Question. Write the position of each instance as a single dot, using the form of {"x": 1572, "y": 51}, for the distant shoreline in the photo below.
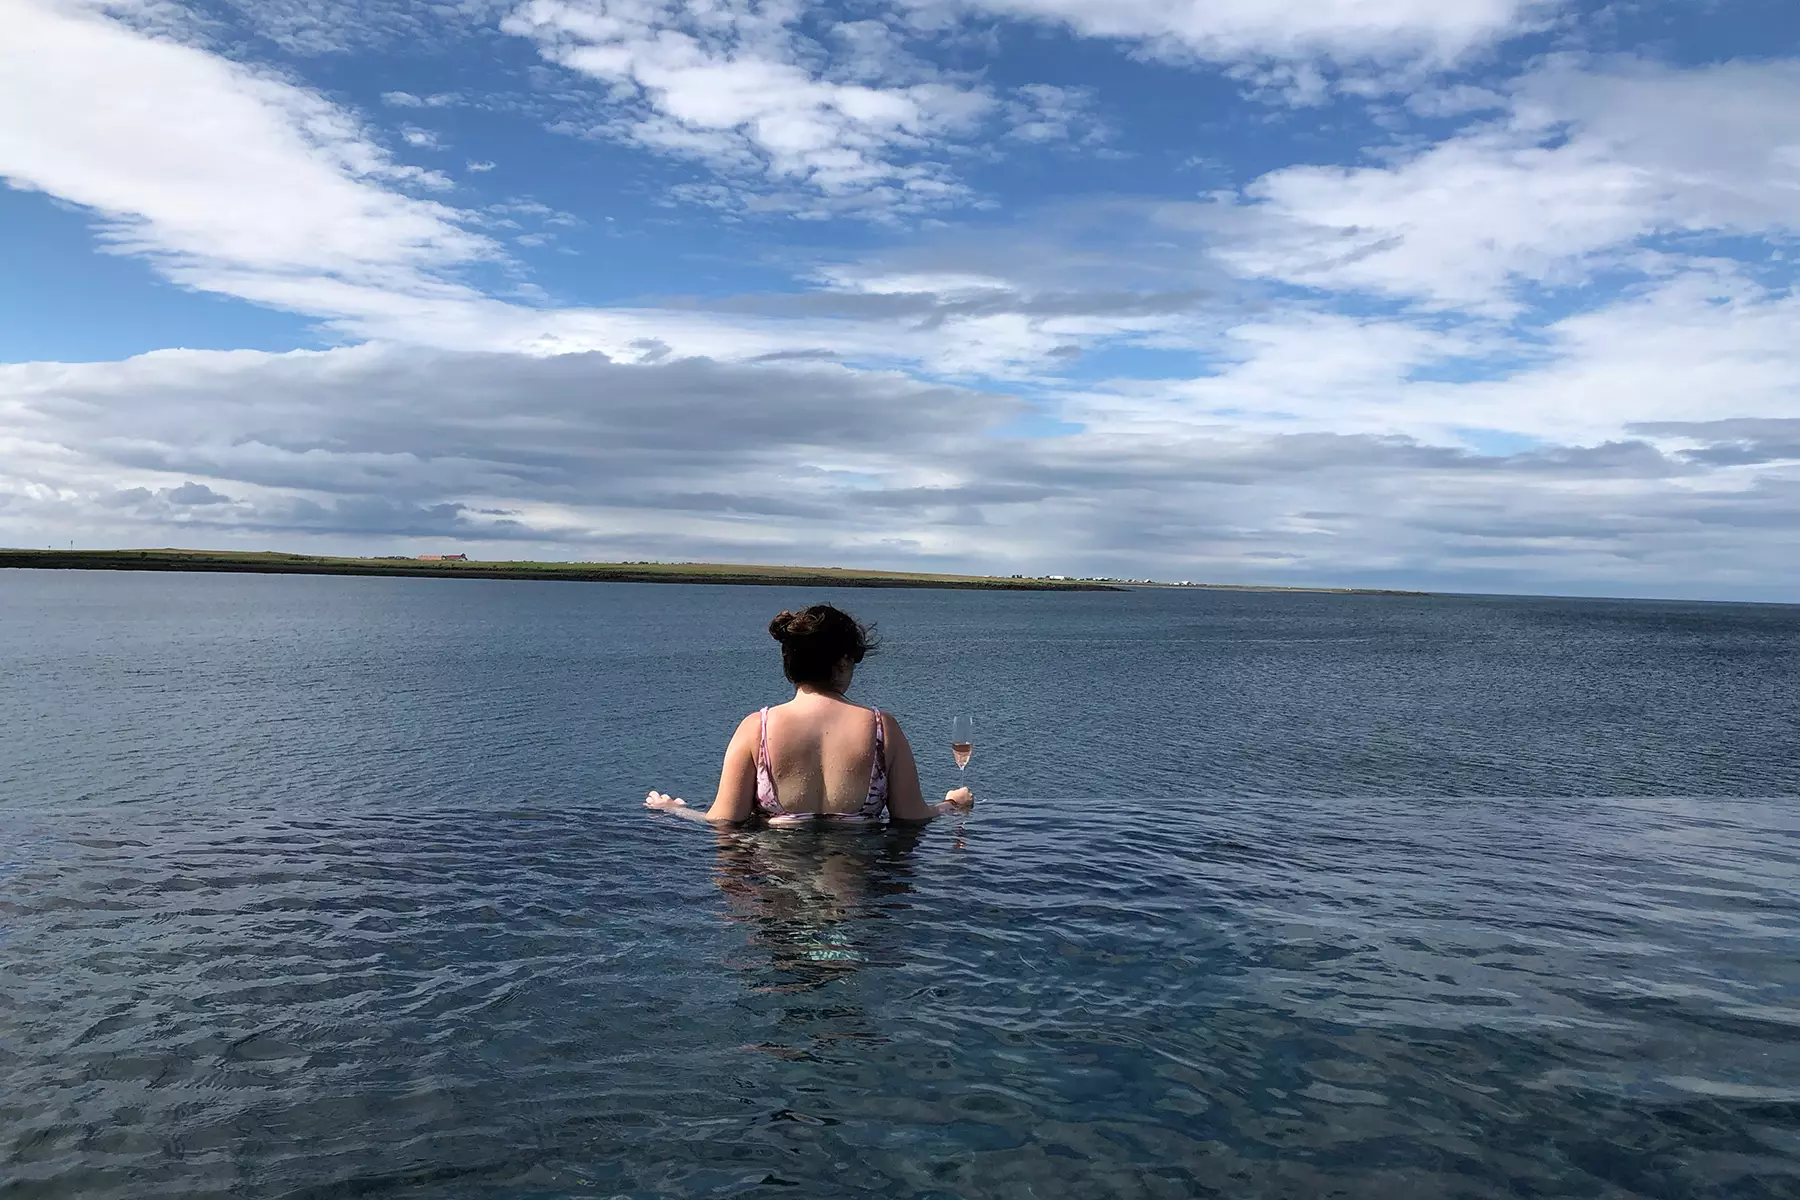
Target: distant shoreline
{"x": 279, "y": 563}
{"x": 276, "y": 563}
{"x": 1276, "y": 587}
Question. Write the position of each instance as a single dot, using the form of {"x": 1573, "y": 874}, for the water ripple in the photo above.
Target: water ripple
{"x": 1280, "y": 998}
{"x": 323, "y": 888}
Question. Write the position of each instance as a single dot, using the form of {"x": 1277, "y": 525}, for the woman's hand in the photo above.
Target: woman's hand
{"x": 658, "y": 799}
{"x": 962, "y": 798}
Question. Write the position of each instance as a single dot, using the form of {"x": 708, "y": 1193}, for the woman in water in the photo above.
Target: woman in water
{"x": 818, "y": 757}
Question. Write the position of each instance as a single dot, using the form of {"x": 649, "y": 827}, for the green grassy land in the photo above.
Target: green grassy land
{"x": 276, "y": 563}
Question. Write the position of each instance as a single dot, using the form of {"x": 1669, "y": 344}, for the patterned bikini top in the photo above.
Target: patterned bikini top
{"x": 874, "y": 804}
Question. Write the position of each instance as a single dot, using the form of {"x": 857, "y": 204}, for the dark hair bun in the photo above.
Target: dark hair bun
{"x": 815, "y": 640}
{"x": 790, "y": 625}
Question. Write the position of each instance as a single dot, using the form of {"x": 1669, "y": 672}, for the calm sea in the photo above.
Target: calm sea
{"x": 318, "y": 887}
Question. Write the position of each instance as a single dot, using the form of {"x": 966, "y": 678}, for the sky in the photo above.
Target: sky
{"x": 1473, "y": 295}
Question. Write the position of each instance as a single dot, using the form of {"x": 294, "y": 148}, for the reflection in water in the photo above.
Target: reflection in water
{"x": 816, "y": 904}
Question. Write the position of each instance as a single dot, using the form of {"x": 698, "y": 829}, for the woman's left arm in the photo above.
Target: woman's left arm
{"x": 736, "y": 797}
{"x": 905, "y": 801}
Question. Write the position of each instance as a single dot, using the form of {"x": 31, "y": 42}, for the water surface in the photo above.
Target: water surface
{"x": 328, "y": 887}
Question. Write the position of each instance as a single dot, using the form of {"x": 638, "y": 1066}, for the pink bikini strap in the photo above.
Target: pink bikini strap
{"x": 767, "y": 798}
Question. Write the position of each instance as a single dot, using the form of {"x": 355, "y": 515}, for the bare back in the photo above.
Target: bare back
{"x": 821, "y": 757}
{"x": 825, "y": 759}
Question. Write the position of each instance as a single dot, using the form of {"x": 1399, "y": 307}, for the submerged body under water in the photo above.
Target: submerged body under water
{"x": 344, "y": 890}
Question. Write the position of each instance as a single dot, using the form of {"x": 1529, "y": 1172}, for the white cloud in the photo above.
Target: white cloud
{"x": 353, "y": 449}
{"x": 1719, "y": 146}
{"x": 1040, "y": 112}
{"x": 1699, "y": 347}
{"x": 1456, "y": 226}
{"x": 319, "y": 27}
{"x": 736, "y": 86}
{"x": 191, "y": 494}
{"x": 408, "y": 100}
{"x": 289, "y": 219}
{"x": 1292, "y": 370}
{"x": 1697, "y": 339}
{"x": 1454, "y": 101}
{"x": 219, "y": 174}
{"x": 383, "y": 430}
{"x": 1436, "y": 32}
{"x": 1582, "y": 168}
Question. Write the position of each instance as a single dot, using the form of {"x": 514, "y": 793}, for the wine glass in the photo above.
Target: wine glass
{"x": 962, "y": 740}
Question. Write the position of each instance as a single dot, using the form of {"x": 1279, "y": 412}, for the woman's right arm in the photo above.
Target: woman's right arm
{"x": 905, "y": 800}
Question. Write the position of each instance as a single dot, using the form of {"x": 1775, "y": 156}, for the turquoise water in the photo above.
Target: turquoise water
{"x": 319, "y": 887}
